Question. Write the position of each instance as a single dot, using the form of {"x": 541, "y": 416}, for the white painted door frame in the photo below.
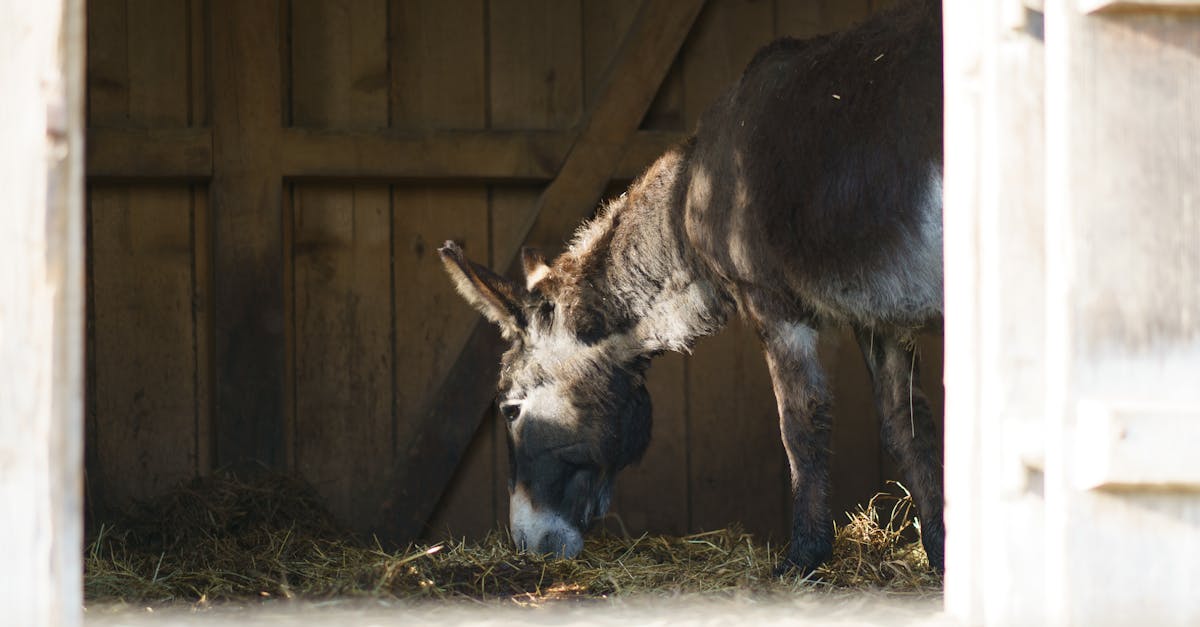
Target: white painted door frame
{"x": 41, "y": 311}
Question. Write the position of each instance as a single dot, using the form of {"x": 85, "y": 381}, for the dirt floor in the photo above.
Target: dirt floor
{"x": 803, "y": 609}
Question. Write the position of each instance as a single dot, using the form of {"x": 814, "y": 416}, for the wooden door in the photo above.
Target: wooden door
{"x": 1073, "y": 312}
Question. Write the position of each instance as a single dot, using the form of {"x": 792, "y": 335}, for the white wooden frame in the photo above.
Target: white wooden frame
{"x": 1072, "y": 313}
{"x": 41, "y": 311}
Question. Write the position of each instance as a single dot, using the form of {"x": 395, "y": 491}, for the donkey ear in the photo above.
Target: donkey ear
{"x": 535, "y": 266}
{"x": 497, "y": 298}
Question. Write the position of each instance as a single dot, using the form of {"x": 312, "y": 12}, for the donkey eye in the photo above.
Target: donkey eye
{"x": 510, "y": 410}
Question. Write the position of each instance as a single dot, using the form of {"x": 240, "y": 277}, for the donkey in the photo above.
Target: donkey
{"x": 809, "y": 195}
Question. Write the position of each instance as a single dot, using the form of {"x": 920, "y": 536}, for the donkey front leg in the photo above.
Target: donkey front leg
{"x": 805, "y": 424}
{"x": 907, "y": 430}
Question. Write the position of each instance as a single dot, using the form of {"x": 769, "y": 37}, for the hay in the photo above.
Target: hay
{"x": 222, "y": 539}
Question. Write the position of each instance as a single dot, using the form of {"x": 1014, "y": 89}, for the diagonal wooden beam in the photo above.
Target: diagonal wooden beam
{"x": 633, "y": 78}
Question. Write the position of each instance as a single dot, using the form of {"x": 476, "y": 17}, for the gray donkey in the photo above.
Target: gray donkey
{"x": 809, "y": 195}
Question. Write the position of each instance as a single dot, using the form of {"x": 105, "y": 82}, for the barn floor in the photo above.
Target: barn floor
{"x": 859, "y": 608}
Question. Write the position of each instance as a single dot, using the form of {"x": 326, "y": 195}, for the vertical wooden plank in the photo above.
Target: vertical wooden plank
{"x": 198, "y": 70}
{"x": 247, "y": 246}
{"x": 432, "y": 322}
{"x": 341, "y": 301}
{"x": 145, "y": 371}
{"x": 145, "y": 321}
{"x": 736, "y": 472}
{"x": 108, "y": 63}
{"x": 339, "y": 64}
{"x": 41, "y": 250}
{"x": 536, "y": 64}
{"x": 995, "y": 333}
{"x": 605, "y": 22}
{"x": 438, "y": 81}
{"x": 468, "y": 505}
{"x": 107, "y": 90}
{"x": 965, "y": 42}
{"x": 856, "y": 466}
{"x": 343, "y": 352}
{"x": 725, "y": 37}
{"x": 652, "y": 496}
{"x": 737, "y": 460}
{"x": 202, "y": 317}
{"x": 437, "y": 64}
{"x": 159, "y": 52}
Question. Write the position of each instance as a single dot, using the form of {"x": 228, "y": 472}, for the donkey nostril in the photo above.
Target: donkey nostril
{"x": 519, "y": 540}
{"x": 510, "y": 410}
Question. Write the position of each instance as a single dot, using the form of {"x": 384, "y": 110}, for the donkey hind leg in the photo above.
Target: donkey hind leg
{"x": 805, "y": 426}
{"x": 907, "y": 431}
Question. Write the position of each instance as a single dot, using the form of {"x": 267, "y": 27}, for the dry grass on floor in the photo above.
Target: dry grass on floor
{"x": 222, "y": 539}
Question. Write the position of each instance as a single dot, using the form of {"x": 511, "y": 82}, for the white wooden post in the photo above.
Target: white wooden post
{"x": 994, "y": 312}
{"x": 1073, "y": 318}
{"x": 1123, "y": 312}
{"x": 41, "y": 311}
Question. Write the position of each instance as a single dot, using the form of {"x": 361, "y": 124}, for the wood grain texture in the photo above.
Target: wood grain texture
{"x": 726, "y": 36}
{"x": 343, "y": 420}
{"x": 248, "y": 297}
{"x": 432, "y": 326}
{"x": 1122, "y": 131}
{"x": 737, "y": 470}
{"x": 42, "y": 288}
{"x": 513, "y": 157}
{"x": 856, "y": 471}
{"x": 805, "y": 19}
{"x": 439, "y": 82}
{"x": 145, "y": 340}
{"x": 171, "y": 154}
{"x": 437, "y": 76}
{"x": 535, "y": 59}
{"x": 339, "y": 63}
{"x": 653, "y": 496}
{"x": 146, "y": 328}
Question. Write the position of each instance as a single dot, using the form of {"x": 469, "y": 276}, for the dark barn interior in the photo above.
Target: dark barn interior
{"x": 267, "y": 185}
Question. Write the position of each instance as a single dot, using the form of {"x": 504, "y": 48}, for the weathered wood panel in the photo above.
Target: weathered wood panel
{"x": 536, "y": 63}
{"x": 432, "y": 323}
{"x": 341, "y": 297}
{"x": 805, "y": 19}
{"x": 738, "y": 474}
{"x": 246, "y": 197}
{"x": 1122, "y": 303}
{"x": 147, "y": 324}
{"x": 736, "y": 469}
{"x": 42, "y": 290}
{"x": 145, "y": 339}
{"x": 439, "y": 81}
{"x": 437, "y": 64}
{"x": 725, "y": 37}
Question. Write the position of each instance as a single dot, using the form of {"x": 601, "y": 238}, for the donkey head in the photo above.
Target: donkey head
{"x": 572, "y": 390}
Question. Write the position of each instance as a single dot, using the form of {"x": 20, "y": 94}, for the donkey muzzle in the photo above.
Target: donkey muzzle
{"x": 541, "y": 531}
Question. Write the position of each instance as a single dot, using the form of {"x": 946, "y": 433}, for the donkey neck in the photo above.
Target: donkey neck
{"x": 638, "y": 260}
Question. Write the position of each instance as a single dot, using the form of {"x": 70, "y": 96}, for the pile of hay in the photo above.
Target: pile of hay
{"x": 222, "y": 539}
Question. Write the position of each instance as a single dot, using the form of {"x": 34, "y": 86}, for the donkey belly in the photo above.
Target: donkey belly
{"x": 892, "y": 276}
{"x": 868, "y": 259}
